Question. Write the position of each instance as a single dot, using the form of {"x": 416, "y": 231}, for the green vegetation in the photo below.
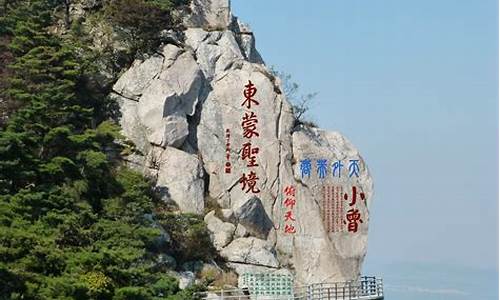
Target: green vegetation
{"x": 190, "y": 236}
{"x": 301, "y": 104}
{"x": 139, "y": 22}
{"x": 72, "y": 217}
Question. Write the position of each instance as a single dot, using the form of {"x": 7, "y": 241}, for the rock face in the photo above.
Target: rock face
{"x": 180, "y": 180}
{"x": 164, "y": 91}
{"x": 251, "y": 251}
{"x": 222, "y": 232}
{"x": 209, "y": 14}
{"x": 192, "y": 109}
{"x": 252, "y": 215}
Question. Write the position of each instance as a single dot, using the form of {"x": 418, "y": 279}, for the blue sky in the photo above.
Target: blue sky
{"x": 414, "y": 85}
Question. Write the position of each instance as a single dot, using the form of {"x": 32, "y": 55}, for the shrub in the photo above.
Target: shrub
{"x": 190, "y": 237}
{"x": 225, "y": 280}
{"x": 132, "y": 293}
{"x": 300, "y": 103}
{"x": 140, "y": 22}
{"x": 165, "y": 286}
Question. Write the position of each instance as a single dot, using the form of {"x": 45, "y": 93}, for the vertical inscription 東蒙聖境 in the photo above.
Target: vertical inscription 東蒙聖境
{"x": 249, "y": 152}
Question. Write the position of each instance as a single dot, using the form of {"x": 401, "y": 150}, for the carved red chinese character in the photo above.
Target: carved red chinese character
{"x": 247, "y": 152}
{"x": 289, "y": 216}
{"x": 353, "y": 217}
{"x": 290, "y": 202}
{"x": 249, "y": 183}
{"x": 249, "y": 125}
{"x": 354, "y": 196}
{"x": 289, "y": 191}
{"x": 289, "y": 228}
{"x": 249, "y": 91}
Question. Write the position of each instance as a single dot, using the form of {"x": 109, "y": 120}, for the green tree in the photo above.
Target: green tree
{"x": 72, "y": 217}
{"x": 141, "y": 22}
{"x": 301, "y": 103}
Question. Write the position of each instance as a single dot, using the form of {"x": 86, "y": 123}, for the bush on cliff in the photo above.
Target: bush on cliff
{"x": 191, "y": 239}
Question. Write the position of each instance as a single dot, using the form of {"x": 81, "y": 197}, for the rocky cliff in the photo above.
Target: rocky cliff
{"x": 214, "y": 129}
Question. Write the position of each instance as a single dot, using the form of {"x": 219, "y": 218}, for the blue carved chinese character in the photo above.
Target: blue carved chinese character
{"x": 337, "y": 167}
{"x": 354, "y": 167}
{"x": 305, "y": 167}
{"x": 322, "y": 167}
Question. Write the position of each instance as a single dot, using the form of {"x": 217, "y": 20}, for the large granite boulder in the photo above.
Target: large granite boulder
{"x": 216, "y": 51}
{"x": 246, "y": 40}
{"x": 157, "y": 96}
{"x": 180, "y": 180}
{"x": 188, "y": 109}
{"x": 209, "y": 14}
{"x": 221, "y": 232}
{"x": 252, "y": 215}
{"x": 252, "y": 251}
{"x": 350, "y": 189}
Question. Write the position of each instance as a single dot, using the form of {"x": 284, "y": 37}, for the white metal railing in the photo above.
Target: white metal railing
{"x": 366, "y": 288}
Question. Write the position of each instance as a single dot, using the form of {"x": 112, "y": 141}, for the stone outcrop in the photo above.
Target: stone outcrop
{"x": 252, "y": 215}
{"x": 179, "y": 179}
{"x": 182, "y": 108}
{"x": 222, "y": 232}
{"x": 252, "y": 251}
{"x": 209, "y": 14}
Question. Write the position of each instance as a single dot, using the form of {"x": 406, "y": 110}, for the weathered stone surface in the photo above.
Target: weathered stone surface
{"x": 140, "y": 75}
{"x": 227, "y": 215}
{"x": 250, "y": 251}
{"x": 180, "y": 179}
{"x": 215, "y": 51}
{"x": 241, "y": 231}
{"x": 209, "y": 14}
{"x": 339, "y": 254}
{"x": 131, "y": 124}
{"x": 176, "y": 130}
{"x": 222, "y": 232}
{"x": 246, "y": 40}
{"x": 165, "y": 88}
{"x": 186, "y": 279}
{"x": 254, "y": 218}
{"x": 222, "y": 110}
{"x": 314, "y": 255}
